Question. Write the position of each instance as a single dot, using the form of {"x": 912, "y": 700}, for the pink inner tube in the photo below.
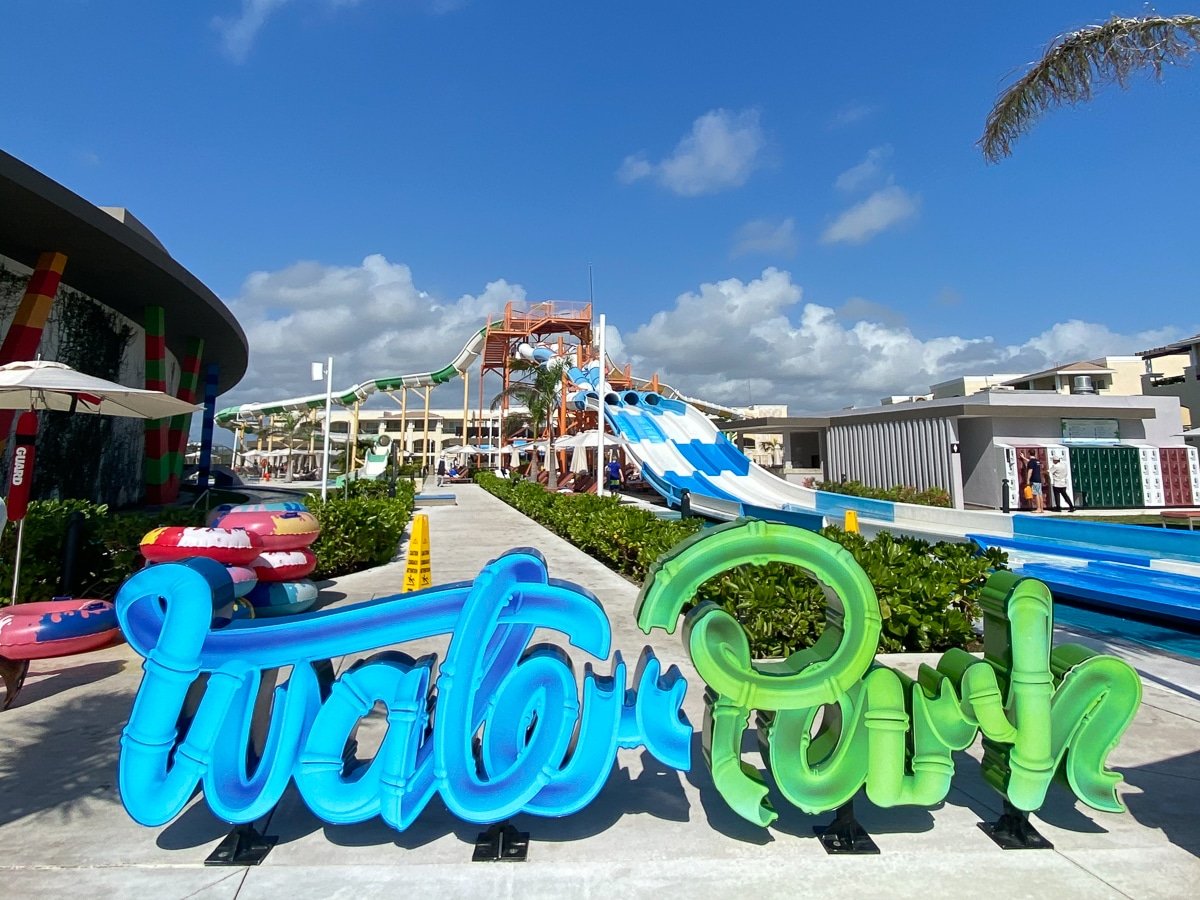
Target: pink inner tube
{"x": 244, "y": 579}
{"x": 56, "y": 628}
{"x": 279, "y": 529}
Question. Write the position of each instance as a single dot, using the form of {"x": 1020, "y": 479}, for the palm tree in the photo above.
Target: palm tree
{"x": 540, "y": 396}
{"x": 1077, "y": 62}
{"x": 291, "y": 426}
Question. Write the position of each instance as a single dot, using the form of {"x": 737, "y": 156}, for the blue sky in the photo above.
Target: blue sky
{"x": 782, "y": 202}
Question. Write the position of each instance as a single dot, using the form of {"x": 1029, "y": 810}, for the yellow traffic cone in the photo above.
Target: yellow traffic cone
{"x": 417, "y": 571}
{"x": 851, "y": 521}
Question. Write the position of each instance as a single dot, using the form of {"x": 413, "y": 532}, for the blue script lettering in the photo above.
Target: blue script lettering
{"x": 506, "y": 733}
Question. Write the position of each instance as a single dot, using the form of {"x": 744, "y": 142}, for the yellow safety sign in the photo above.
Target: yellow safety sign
{"x": 417, "y": 571}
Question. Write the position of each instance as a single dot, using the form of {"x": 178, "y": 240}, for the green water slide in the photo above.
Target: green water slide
{"x": 231, "y": 416}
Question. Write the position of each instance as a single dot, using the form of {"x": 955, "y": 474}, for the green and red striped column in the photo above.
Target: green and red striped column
{"x": 155, "y": 466}
{"x": 177, "y": 433}
{"x": 25, "y": 333}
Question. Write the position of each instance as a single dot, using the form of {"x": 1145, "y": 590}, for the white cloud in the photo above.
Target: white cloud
{"x": 725, "y": 341}
{"x": 732, "y": 339}
{"x": 867, "y": 172}
{"x": 721, "y": 151}
{"x": 848, "y": 115}
{"x": 766, "y": 236}
{"x": 372, "y": 318}
{"x": 886, "y": 207}
{"x": 238, "y": 32}
{"x": 634, "y": 167}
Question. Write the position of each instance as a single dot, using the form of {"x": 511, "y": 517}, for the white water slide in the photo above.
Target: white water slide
{"x": 1126, "y": 568}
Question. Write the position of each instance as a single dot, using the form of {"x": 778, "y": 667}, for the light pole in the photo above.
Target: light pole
{"x": 600, "y": 415}
{"x": 316, "y": 376}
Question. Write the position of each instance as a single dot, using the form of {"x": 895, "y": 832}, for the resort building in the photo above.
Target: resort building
{"x": 93, "y": 288}
{"x": 966, "y": 437}
{"x": 1174, "y": 371}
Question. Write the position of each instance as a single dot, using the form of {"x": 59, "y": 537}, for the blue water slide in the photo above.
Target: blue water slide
{"x": 829, "y": 504}
{"x": 1160, "y": 596}
{"x": 698, "y": 454}
{"x": 669, "y": 492}
{"x": 734, "y": 459}
{"x": 635, "y": 427}
{"x": 657, "y": 403}
{"x": 1071, "y": 549}
{"x": 1159, "y": 543}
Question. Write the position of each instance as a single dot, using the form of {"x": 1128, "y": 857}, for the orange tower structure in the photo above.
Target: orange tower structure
{"x": 533, "y": 323}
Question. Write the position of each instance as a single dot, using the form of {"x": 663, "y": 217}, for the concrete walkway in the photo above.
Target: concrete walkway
{"x": 650, "y": 831}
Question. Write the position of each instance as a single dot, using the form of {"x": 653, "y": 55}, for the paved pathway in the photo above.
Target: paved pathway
{"x": 651, "y": 830}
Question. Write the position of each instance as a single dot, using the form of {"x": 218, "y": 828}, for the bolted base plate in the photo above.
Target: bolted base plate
{"x": 844, "y": 835}
{"x": 1012, "y": 831}
{"x": 244, "y": 846}
{"x": 501, "y": 843}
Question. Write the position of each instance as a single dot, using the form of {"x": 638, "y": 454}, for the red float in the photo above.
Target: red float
{"x": 230, "y": 547}
{"x": 284, "y": 565}
{"x": 56, "y": 628}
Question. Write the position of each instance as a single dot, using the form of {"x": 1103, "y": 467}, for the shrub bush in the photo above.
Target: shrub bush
{"x": 900, "y": 493}
{"x": 928, "y": 593}
{"x": 361, "y": 530}
{"x": 358, "y": 531}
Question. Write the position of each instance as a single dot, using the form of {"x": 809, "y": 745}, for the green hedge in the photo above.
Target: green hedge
{"x": 108, "y": 547}
{"x": 360, "y": 527}
{"x": 358, "y": 530}
{"x": 928, "y": 593}
{"x": 900, "y": 493}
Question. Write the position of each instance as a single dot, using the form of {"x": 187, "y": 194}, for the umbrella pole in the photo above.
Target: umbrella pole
{"x": 17, "y": 561}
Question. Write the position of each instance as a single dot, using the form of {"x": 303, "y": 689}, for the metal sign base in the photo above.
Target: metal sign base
{"x": 1012, "y": 831}
{"x": 501, "y": 843}
{"x": 844, "y": 835}
{"x": 244, "y": 846}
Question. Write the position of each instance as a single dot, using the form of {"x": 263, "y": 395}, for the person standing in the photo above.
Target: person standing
{"x": 441, "y": 471}
{"x": 615, "y": 478}
{"x": 1033, "y": 479}
{"x": 1058, "y": 484}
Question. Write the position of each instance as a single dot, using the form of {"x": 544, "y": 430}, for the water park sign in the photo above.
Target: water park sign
{"x": 502, "y": 726}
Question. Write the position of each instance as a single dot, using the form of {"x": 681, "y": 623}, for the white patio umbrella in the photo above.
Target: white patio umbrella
{"x": 579, "y": 460}
{"x": 590, "y": 439}
{"x": 38, "y": 385}
{"x": 51, "y": 385}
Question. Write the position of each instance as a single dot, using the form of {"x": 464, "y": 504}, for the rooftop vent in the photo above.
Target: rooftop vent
{"x": 1082, "y": 384}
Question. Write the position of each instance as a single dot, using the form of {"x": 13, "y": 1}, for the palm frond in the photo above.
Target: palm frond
{"x": 1077, "y": 63}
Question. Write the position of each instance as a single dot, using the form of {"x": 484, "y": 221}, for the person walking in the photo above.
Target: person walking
{"x": 1033, "y": 480}
{"x": 441, "y": 471}
{"x": 1058, "y": 484}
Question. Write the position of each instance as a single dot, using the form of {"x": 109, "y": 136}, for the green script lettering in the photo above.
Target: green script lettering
{"x": 1042, "y": 711}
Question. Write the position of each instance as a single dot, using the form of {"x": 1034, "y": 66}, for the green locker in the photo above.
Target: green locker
{"x": 1107, "y": 477}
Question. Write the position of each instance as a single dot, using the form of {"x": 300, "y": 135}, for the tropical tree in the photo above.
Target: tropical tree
{"x": 291, "y": 426}
{"x": 1075, "y": 64}
{"x": 539, "y": 394}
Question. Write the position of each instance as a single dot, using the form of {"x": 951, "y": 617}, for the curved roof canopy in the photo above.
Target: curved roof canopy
{"x": 116, "y": 264}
